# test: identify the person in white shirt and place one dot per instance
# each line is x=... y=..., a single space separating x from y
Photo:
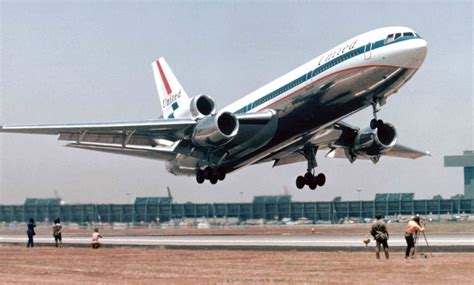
x=95 y=238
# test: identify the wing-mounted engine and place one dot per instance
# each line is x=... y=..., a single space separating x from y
x=215 y=130
x=372 y=143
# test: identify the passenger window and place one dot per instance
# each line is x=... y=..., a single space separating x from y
x=389 y=38
x=408 y=34
x=397 y=35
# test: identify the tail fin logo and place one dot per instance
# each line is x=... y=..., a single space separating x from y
x=173 y=97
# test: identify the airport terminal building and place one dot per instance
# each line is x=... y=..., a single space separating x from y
x=466 y=160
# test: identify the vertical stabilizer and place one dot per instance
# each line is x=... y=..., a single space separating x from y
x=171 y=93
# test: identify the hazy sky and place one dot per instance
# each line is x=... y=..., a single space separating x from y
x=81 y=61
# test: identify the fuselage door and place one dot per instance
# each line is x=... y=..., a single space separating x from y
x=368 y=51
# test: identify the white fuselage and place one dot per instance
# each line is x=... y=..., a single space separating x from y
x=328 y=88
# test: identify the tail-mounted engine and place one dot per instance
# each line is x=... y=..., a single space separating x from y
x=372 y=143
x=216 y=129
x=201 y=106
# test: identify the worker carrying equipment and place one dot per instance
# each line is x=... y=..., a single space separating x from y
x=380 y=234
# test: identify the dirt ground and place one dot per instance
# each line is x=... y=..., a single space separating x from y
x=157 y=266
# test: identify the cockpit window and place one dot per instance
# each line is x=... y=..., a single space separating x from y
x=397 y=35
x=389 y=39
x=409 y=34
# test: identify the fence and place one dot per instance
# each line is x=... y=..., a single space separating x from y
x=151 y=212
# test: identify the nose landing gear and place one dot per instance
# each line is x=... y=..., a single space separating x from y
x=309 y=178
x=374 y=123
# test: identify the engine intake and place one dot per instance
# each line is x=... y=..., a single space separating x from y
x=201 y=106
x=369 y=142
x=216 y=130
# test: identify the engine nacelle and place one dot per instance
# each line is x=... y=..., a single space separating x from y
x=370 y=143
x=201 y=106
x=215 y=130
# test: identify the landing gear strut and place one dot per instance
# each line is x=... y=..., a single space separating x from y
x=309 y=178
x=374 y=123
x=213 y=175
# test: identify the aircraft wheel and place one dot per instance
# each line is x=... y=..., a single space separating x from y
x=221 y=175
x=208 y=171
x=321 y=179
x=308 y=177
x=373 y=124
x=213 y=180
x=300 y=182
x=380 y=124
x=200 y=176
x=313 y=184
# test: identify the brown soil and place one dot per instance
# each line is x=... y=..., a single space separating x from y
x=157 y=266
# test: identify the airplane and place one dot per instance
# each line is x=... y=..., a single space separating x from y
x=285 y=121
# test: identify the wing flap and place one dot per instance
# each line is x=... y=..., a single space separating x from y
x=144 y=152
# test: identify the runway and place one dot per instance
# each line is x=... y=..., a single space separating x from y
x=350 y=242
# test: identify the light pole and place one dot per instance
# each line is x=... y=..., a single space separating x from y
x=360 y=204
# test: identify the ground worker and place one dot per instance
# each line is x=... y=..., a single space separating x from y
x=95 y=238
x=380 y=234
x=30 y=232
x=413 y=227
x=57 y=232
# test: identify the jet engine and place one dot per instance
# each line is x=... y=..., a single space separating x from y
x=201 y=106
x=372 y=143
x=216 y=129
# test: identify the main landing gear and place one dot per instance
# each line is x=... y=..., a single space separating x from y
x=211 y=174
x=309 y=178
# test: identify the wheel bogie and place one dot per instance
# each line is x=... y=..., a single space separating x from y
x=211 y=174
x=312 y=181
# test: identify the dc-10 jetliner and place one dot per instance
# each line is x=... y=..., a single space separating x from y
x=285 y=121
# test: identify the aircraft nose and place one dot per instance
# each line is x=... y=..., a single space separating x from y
x=418 y=50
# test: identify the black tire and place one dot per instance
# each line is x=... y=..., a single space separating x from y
x=380 y=124
x=373 y=124
x=300 y=182
x=221 y=175
x=313 y=184
x=308 y=177
x=321 y=179
x=213 y=180
x=200 y=176
x=208 y=171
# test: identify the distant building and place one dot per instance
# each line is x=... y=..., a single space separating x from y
x=467 y=161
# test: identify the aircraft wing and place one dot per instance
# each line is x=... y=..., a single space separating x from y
x=131 y=132
x=338 y=139
x=156 y=139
